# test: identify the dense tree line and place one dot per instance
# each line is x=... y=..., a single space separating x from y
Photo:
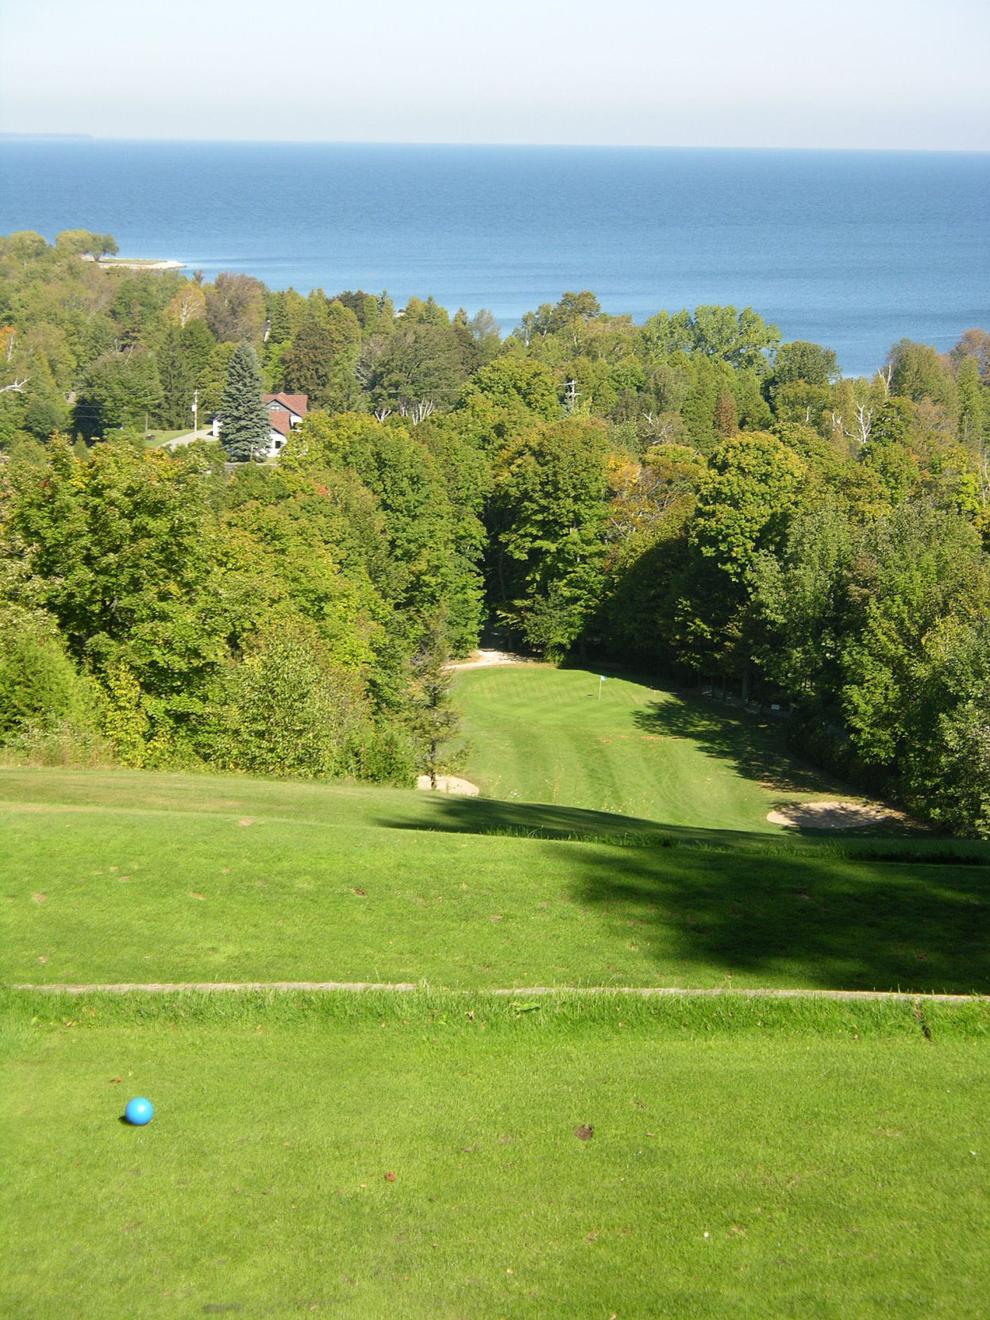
x=689 y=495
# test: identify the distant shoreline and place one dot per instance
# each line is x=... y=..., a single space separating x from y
x=140 y=263
x=47 y=137
x=833 y=249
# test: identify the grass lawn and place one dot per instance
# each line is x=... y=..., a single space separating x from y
x=540 y=734
x=452 y=1154
x=756 y=1160
x=127 y=876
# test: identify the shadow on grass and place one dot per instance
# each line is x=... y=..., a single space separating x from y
x=529 y=820
x=754 y=746
x=842 y=913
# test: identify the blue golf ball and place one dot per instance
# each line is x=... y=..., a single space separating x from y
x=139 y=1111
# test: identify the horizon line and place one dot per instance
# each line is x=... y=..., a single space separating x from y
x=76 y=137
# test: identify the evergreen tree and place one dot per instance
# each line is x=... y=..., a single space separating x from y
x=973 y=409
x=279 y=319
x=244 y=422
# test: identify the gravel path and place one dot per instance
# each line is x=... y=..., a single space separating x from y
x=406 y=987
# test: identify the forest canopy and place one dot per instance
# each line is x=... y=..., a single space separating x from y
x=690 y=496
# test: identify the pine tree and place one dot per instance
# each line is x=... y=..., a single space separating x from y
x=972 y=403
x=245 y=427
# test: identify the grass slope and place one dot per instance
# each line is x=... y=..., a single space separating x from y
x=144 y=877
x=771 y=1160
x=540 y=734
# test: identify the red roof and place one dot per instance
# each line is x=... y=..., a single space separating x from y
x=280 y=420
x=296 y=403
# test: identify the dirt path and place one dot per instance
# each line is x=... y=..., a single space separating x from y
x=407 y=987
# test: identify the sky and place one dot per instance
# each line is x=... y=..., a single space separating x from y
x=738 y=73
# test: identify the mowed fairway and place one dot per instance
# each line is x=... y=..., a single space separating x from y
x=457 y=1157
x=125 y=876
x=561 y=736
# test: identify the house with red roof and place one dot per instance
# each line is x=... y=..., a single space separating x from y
x=285 y=412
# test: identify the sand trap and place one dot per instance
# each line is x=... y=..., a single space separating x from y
x=486 y=659
x=449 y=784
x=835 y=815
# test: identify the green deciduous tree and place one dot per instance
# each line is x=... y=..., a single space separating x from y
x=420 y=368
x=121 y=390
x=235 y=308
x=511 y=381
x=743 y=339
x=39 y=684
x=82 y=242
x=801 y=360
x=121 y=541
x=433 y=720
x=547 y=522
x=321 y=360
x=746 y=501
x=287 y=711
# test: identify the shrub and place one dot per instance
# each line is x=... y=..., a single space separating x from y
x=288 y=711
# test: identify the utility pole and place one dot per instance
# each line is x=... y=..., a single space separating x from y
x=195 y=411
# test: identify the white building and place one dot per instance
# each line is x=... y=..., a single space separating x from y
x=286 y=412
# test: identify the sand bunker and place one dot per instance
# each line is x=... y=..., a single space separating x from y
x=834 y=815
x=449 y=784
x=486 y=659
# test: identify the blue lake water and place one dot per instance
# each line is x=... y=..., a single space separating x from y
x=852 y=249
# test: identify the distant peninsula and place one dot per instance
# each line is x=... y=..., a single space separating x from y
x=46 y=137
x=139 y=263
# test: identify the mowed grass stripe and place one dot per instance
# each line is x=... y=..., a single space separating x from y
x=523 y=992
x=541 y=734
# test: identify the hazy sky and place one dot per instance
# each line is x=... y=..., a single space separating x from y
x=856 y=73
